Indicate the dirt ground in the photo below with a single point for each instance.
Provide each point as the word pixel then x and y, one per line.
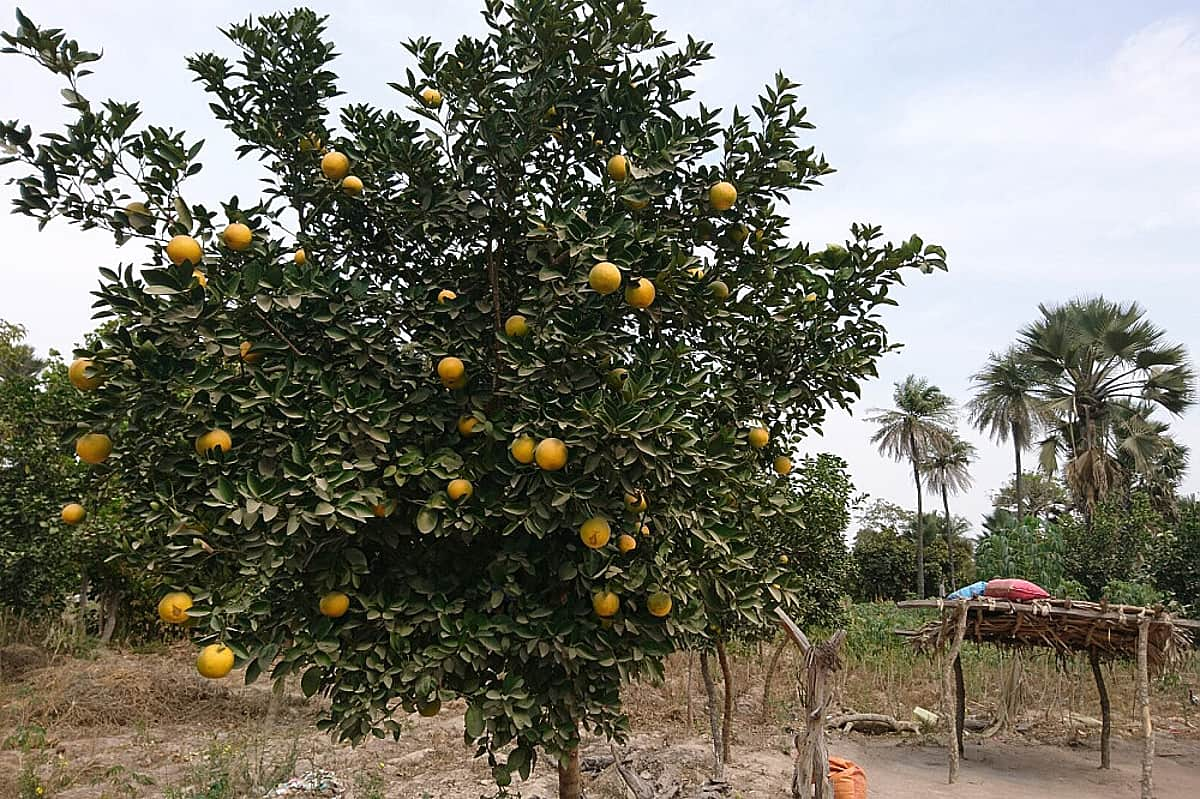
pixel 123 725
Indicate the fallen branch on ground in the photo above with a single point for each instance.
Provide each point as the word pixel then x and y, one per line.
pixel 873 723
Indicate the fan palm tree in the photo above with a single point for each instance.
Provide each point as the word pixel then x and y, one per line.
pixel 948 471
pixel 1004 407
pixel 1095 360
pixel 918 425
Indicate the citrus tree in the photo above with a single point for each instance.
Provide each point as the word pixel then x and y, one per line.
pixel 485 389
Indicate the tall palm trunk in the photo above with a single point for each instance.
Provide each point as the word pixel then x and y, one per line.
pixel 1017 481
pixel 949 538
pixel 912 443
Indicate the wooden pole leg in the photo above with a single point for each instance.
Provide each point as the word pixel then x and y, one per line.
pixel 1105 711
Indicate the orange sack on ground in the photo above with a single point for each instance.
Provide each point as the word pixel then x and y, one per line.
pixel 849 780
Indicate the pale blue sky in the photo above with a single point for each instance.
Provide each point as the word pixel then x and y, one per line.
pixel 1052 147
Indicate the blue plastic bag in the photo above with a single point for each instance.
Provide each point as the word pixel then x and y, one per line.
pixel 970 591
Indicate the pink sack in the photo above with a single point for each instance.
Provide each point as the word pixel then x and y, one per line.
pixel 1015 590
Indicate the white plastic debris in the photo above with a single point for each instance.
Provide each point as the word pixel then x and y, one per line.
pixel 310 785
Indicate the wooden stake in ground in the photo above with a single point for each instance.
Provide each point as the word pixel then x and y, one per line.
pixel 948 689
pixel 1143 698
pixel 1105 710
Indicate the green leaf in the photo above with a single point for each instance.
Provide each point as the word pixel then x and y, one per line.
pixel 310 683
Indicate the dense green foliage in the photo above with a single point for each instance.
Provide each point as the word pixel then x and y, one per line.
pixel 884 554
pixel 499 193
pixel 1116 546
pixel 1175 558
pixel 1031 550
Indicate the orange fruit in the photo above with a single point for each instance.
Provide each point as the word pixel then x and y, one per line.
pixel 595 532
pixel 722 196
pixel 516 326
pixel 352 185
pixel 237 236
pixel 645 530
pixel 659 604
pixel 783 559
pixel 639 292
pixel 469 426
pixel 431 97
pixel 636 502
pixel 604 278
pixel 618 168
pixel 605 604
pixel 300 257
pixel 450 369
pixel 93 447
pixel 783 465
pixel 173 607
pixel 522 449
pixel 626 543
pixel 73 513
pixel 77 373
pixel 216 439
pixel 459 489
pixel 139 216
pixel 309 143
pixel 335 165
pixel 550 454
pixel 181 249
pixel 215 661
pixel 759 437
pixel 719 289
pixel 380 510
pixel 445 296
pixel 334 604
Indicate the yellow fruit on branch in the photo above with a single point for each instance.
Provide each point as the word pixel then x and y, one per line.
pixel 246 349
pixel 450 370
pixel 810 297
pixel 73 513
pixel 722 196
pixel 215 661
pixel 310 143
pixel 93 447
pixel 334 604
pixel 515 326
pixel 645 529
pixel 184 249
pixel 139 216
pixel 550 454
pixel 173 607
pixel 522 449
pixel 738 233
pixel 626 543
pixel 595 532
pixel 445 296
pixel 300 257
pixel 719 289
pixel 604 278
pixel 459 489
pixel 616 377
pixel 605 604
pixel 237 236
pixel 213 441
pixel 759 437
pixel 659 604
pixel 618 168
pixel 783 560
pixel 636 502
pixel 639 292
pixel 783 465
pixel 335 165
pixel 352 185
pixel 431 97
pixel 78 374
pixel 469 426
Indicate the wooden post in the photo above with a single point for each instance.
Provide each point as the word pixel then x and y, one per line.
pixel 960 629
pixel 960 702
pixel 568 776
pixel 1105 710
pixel 1143 696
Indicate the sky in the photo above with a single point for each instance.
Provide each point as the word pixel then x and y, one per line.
pixel 1053 148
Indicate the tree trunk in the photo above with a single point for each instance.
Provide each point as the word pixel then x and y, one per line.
pixel 1105 710
pixel 1143 697
pixel 1018 483
pixel 948 690
pixel 568 777
pixel 727 716
pixel 84 588
pixel 109 602
pixel 714 725
pixel 687 692
pixel 960 702
pixel 769 678
pixel 920 525
pixel 949 539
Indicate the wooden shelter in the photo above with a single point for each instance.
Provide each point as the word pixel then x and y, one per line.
pixel 1151 637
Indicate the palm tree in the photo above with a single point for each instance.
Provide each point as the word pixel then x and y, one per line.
pixel 1005 407
pixel 1102 369
pixel 916 427
pixel 948 471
